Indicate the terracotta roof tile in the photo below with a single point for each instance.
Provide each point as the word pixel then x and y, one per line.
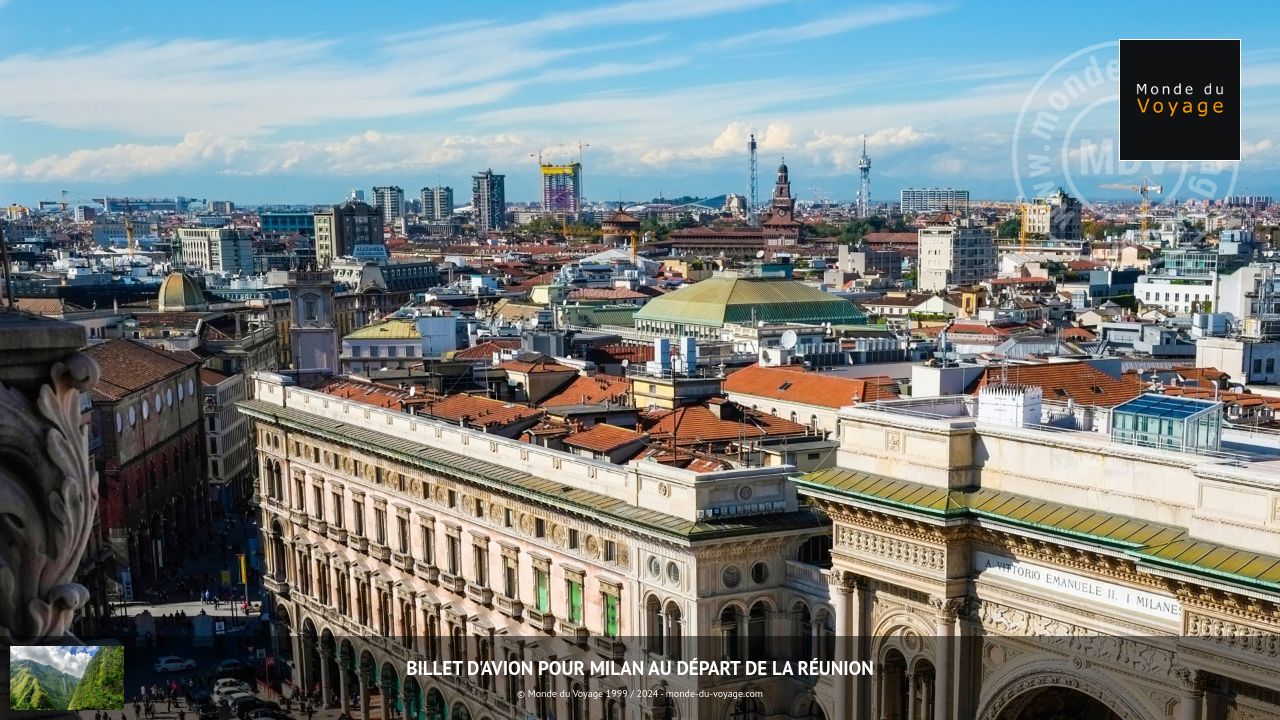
pixel 543 364
pixel 583 390
pixel 486 349
pixel 478 412
pixel 604 438
pixel 128 366
pixel 698 425
pixel 808 388
pixel 365 392
pixel 1078 381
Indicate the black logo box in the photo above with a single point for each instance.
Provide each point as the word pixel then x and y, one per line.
pixel 1180 66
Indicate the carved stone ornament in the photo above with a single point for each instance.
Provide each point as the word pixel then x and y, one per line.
pixel 48 484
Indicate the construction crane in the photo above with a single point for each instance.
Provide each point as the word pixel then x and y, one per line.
pixel 1022 227
pixel 1144 211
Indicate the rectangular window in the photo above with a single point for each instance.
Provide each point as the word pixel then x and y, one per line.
pixel 318 494
pixel 574 590
pixel 479 508
pixel 481 565
pixel 455 552
pixel 428 545
pixel 610 551
pixel 511 578
pixel 542 579
pixel 453 499
pixel 337 510
pixel 506 518
pixel 380 525
pixel 402 527
pixel 611 615
pixel 573 539
pixel 357 517
pixel 539 528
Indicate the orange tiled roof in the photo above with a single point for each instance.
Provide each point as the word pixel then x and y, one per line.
pixel 618 352
pixel 697 425
pixel 583 390
pixel 128 366
pixel 476 411
pixel 604 438
pixel 808 388
pixel 365 392
pixel 1077 381
pixel 486 349
pixel 211 377
pixel 1076 333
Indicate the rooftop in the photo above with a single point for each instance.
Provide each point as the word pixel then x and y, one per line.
pixel 390 329
pixel 730 298
pixel 808 388
pixel 128 366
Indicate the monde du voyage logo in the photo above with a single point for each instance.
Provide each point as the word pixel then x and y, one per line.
pixel 1180 100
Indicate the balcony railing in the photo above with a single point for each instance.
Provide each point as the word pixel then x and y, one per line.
pixel 545 622
pixel 480 594
pixel 806 578
pixel 453 583
pixel 510 607
pixel 609 648
pixel 430 573
pixel 337 533
pixel 380 551
pixel 574 632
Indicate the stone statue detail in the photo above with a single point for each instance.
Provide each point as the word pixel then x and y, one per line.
pixel 48 501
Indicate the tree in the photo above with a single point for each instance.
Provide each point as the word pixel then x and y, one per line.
pixel 1009 228
pixel 102 686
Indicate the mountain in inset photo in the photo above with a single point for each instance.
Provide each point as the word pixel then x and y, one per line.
pixel 102 687
pixel 66 677
pixel 36 686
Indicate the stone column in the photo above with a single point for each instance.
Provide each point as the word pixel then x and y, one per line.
pixel 944 667
pixel 841 588
pixel 344 692
pixel 324 672
pixel 52 492
pixel 299 660
pixel 364 693
pixel 1191 704
pixel 913 697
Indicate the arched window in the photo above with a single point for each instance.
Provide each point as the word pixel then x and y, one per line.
pixel 576 708
pixel 758 632
pixel 731 633
pixel 654 622
pixel 794 416
pixel 675 631
pixel 803 631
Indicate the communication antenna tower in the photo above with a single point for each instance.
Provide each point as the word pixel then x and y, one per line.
pixel 754 202
pixel 864 188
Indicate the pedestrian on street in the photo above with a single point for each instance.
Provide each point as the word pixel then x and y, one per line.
pixel 310 711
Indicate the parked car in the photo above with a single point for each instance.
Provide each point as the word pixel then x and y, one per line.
pixel 230 695
pixel 173 663
pixel 242 707
pixel 228 682
pixel 206 709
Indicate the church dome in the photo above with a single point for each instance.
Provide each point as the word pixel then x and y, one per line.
pixel 180 293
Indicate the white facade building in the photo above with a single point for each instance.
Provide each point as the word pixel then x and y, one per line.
pixel 956 251
pixel 218 249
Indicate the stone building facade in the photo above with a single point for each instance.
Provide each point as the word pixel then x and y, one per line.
pixel 392 537
pixel 1007 571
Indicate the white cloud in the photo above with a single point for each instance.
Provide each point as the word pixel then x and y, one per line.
pixel 70 659
pixel 858 19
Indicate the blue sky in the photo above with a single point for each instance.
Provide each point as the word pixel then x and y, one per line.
pixel 70 659
pixel 301 101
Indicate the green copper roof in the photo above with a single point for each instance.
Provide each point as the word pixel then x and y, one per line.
pixel 394 329
pixel 728 299
pixel 1143 541
pixel 522 484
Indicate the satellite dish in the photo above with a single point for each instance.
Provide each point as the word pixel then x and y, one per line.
pixel 626 363
pixel 759 253
pixel 789 339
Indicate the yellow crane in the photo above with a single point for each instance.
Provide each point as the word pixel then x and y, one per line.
pixel 1022 227
pixel 1144 211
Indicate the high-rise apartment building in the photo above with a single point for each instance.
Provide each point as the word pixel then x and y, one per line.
pixel 226 250
pixel 562 188
pixel 340 229
pixel 489 201
pixel 922 200
pixel 389 200
pixel 437 203
pixel 1055 218
pixel 955 250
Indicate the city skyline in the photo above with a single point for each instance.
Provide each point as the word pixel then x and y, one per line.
pixel 279 107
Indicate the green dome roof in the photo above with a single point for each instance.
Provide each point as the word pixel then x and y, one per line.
pixel 730 299
pixel 180 293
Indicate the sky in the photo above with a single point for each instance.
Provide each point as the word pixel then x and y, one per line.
pixel 299 102
pixel 70 659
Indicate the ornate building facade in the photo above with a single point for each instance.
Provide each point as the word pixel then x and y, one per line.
pixel 391 537
pixel 1007 571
